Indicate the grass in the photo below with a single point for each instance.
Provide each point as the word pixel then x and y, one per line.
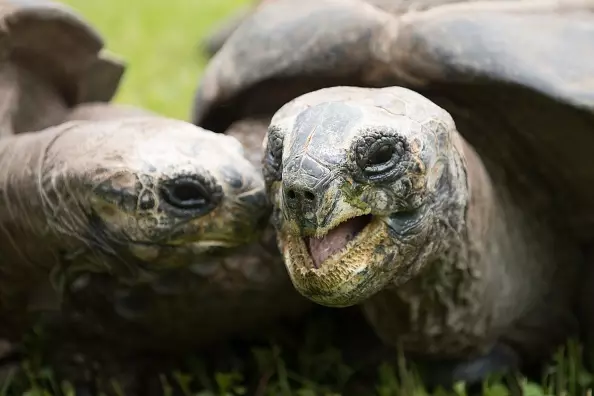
pixel 313 371
pixel 159 40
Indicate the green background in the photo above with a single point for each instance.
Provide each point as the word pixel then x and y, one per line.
pixel 160 42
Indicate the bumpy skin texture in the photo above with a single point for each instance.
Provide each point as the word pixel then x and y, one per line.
pixel 225 291
pixel 125 234
pixel 96 203
pixel 150 235
pixel 421 266
pixel 52 61
pixel 114 195
pixel 480 222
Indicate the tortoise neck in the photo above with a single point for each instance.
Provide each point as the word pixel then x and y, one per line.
pixel 467 201
pixel 493 264
pixel 444 287
pixel 26 207
pixel 476 248
pixel 474 215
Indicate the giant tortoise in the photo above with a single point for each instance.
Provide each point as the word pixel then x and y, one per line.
pixel 227 293
pixel 125 233
pixel 456 215
pixel 93 190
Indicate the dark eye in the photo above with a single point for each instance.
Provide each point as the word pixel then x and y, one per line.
pixel 186 194
pixel 378 156
pixel 381 155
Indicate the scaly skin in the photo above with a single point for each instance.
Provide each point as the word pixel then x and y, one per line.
pixel 110 189
pixel 440 266
pixel 228 292
pixel 520 99
pixel 78 197
pixel 224 291
pixel 129 232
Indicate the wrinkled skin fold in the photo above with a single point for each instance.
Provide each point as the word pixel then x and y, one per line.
pixel 219 293
pixel 388 199
pixel 116 222
pixel 434 227
pixel 130 210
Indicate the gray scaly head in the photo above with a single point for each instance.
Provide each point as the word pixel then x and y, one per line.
pixel 90 186
pixel 362 182
pixel 124 196
pixel 484 222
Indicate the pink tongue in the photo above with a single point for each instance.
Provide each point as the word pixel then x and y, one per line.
pixel 335 240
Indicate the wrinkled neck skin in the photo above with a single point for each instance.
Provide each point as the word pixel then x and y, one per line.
pixel 32 241
pixel 469 281
pixel 504 263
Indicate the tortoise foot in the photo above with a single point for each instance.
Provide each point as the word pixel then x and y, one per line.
pixel 501 360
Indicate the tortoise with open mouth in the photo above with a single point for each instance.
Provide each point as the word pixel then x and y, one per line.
pixel 455 208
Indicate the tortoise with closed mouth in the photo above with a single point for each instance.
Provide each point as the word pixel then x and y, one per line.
pixel 437 173
pixel 102 205
pixel 223 292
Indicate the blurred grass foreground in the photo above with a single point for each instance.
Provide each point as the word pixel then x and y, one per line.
pixel 159 40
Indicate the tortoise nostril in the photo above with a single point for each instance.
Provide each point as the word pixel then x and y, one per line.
pixel 186 194
pixel 300 195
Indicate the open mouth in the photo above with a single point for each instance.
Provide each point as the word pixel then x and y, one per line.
pixel 336 240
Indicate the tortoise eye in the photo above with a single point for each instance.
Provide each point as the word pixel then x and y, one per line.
pixel 381 155
pixel 378 157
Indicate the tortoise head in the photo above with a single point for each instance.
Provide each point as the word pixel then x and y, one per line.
pixel 360 180
pixel 155 191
